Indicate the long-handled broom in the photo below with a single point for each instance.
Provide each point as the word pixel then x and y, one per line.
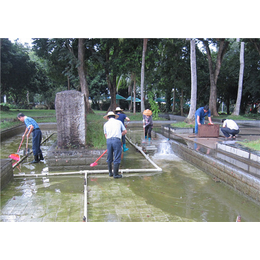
pixel 95 163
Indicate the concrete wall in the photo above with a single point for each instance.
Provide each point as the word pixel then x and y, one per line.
pixel 5 134
pixel 237 179
pixel 74 159
pixel 6 172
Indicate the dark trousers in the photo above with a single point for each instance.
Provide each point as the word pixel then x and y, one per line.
pixel 36 141
pixel 227 131
pixel 148 131
pixel 114 149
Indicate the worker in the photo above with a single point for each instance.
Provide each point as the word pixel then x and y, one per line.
pixel 230 128
pixel 147 123
pixel 122 117
pixel 33 127
pixel 113 130
pixel 200 115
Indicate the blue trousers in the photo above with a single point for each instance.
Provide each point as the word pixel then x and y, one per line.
pixel 114 149
pixel 36 141
pixel 196 123
pixel 227 131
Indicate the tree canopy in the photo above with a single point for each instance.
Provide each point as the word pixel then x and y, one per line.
pixel 104 67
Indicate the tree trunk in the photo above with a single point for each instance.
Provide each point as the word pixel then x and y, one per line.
pixel 193 101
pixel 173 101
pixel 111 85
pixel 240 81
pixel 68 82
pixel 213 73
pixel 134 108
pixel 82 74
pixel 181 102
pixel 142 74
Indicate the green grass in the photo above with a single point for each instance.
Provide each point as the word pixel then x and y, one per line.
pixel 9 118
pixel 255 145
pixel 95 136
pixel 182 125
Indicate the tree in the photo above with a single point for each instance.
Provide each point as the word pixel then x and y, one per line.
pixel 17 71
pixel 240 82
pixel 82 74
pixel 142 74
pixel 191 115
pixel 67 54
pixel 214 71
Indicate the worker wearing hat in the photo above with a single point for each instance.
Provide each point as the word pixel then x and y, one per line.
pixel 147 123
pixel 113 130
pixel 122 117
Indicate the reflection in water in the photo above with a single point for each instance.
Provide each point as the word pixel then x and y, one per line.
pixel 181 192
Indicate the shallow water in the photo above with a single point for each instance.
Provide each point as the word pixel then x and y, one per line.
pixel 10 146
pixel 180 192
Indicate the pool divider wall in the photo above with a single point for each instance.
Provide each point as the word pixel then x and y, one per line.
pixel 235 178
pixel 74 159
pixel 7 133
pixel 6 173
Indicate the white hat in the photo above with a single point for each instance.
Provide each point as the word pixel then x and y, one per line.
pixel 110 113
pixel 118 109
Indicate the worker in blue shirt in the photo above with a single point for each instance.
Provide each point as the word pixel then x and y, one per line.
pixel 200 115
pixel 122 117
pixel 33 127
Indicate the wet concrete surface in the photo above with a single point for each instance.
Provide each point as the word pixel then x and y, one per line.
pixel 181 192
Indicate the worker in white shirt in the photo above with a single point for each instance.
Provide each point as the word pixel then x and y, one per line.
pixel 230 129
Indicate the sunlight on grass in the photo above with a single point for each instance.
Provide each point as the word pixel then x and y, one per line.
pixel 255 145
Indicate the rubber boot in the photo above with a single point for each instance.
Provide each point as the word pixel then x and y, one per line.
pixel 36 159
pixel 124 148
pixel 40 156
pixel 116 168
pixel 110 169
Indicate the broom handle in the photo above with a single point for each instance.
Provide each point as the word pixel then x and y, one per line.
pixel 101 156
pixel 20 144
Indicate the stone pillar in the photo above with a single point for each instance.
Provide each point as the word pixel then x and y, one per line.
pixel 71 119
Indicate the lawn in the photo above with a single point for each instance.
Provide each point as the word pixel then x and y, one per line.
pixel 95 136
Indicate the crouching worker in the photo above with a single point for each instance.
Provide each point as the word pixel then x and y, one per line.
pixel 229 127
pixel 33 127
pixel 114 130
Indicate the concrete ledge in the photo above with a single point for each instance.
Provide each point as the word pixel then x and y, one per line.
pixel 6 173
pixel 239 152
pixel 179 130
pixel 10 132
pixel 235 178
pixel 74 160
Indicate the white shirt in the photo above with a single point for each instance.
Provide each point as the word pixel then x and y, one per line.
pixel 231 124
pixel 114 128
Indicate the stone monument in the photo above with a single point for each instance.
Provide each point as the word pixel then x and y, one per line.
pixel 71 119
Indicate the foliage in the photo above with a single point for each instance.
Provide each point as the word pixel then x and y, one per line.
pixel 154 106
pixel 4 107
pixel 51 66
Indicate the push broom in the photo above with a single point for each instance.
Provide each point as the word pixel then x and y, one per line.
pixel 95 163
